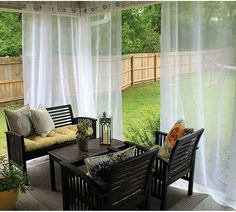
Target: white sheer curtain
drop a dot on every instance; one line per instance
(198, 84)
(106, 64)
(73, 57)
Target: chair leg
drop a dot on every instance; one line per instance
(25, 172)
(145, 206)
(190, 184)
(146, 203)
(163, 196)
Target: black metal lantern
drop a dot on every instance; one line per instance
(105, 129)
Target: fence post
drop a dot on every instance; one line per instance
(132, 70)
(155, 67)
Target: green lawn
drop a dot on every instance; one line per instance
(141, 111)
(141, 103)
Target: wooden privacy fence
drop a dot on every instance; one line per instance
(11, 80)
(136, 68)
(139, 68)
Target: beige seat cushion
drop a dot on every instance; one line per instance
(162, 151)
(56, 136)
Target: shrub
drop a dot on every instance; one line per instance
(142, 133)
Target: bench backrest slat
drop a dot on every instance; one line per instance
(61, 115)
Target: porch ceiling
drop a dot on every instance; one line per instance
(17, 6)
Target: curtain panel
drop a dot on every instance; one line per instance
(198, 84)
(74, 58)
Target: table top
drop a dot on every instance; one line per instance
(72, 153)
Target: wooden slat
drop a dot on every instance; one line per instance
(10, 81)
(127, 71)
(143, 80)
(142, 68)
(61, 115)
(10, 100)
(56, 116)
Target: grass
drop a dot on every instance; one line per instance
(141, 109)
(139, 103)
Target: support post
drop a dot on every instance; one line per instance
(132, 70)
(155, 67)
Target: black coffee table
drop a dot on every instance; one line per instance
(72, 154)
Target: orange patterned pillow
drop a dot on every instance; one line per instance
(176, 132)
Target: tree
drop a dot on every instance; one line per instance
(141, 28)
(207, 18)
(10, 34)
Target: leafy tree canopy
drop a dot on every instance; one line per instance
(140, 31)
(10, 34)
(141, 28)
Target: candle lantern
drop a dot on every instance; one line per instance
(105, 129)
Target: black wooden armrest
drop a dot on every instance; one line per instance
(161, 133)
(14, 139)
(15, 148)
(112, 149)
(93, 119)
(129, 144)
(139, 149)
(76, 119)
(76, 171)
(78, 163)
(15, 134)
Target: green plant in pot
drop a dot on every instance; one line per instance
(82, 134)
(12, 180)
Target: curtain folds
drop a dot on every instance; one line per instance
(198, 84)
(74, 59)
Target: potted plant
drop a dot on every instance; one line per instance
(12, 180)
(82, 135)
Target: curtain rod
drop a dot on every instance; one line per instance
(120, 5)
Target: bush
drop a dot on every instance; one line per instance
(142, 133)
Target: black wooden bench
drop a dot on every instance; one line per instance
(61, 116)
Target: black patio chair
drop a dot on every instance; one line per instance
(128, 185)
(179, 165)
